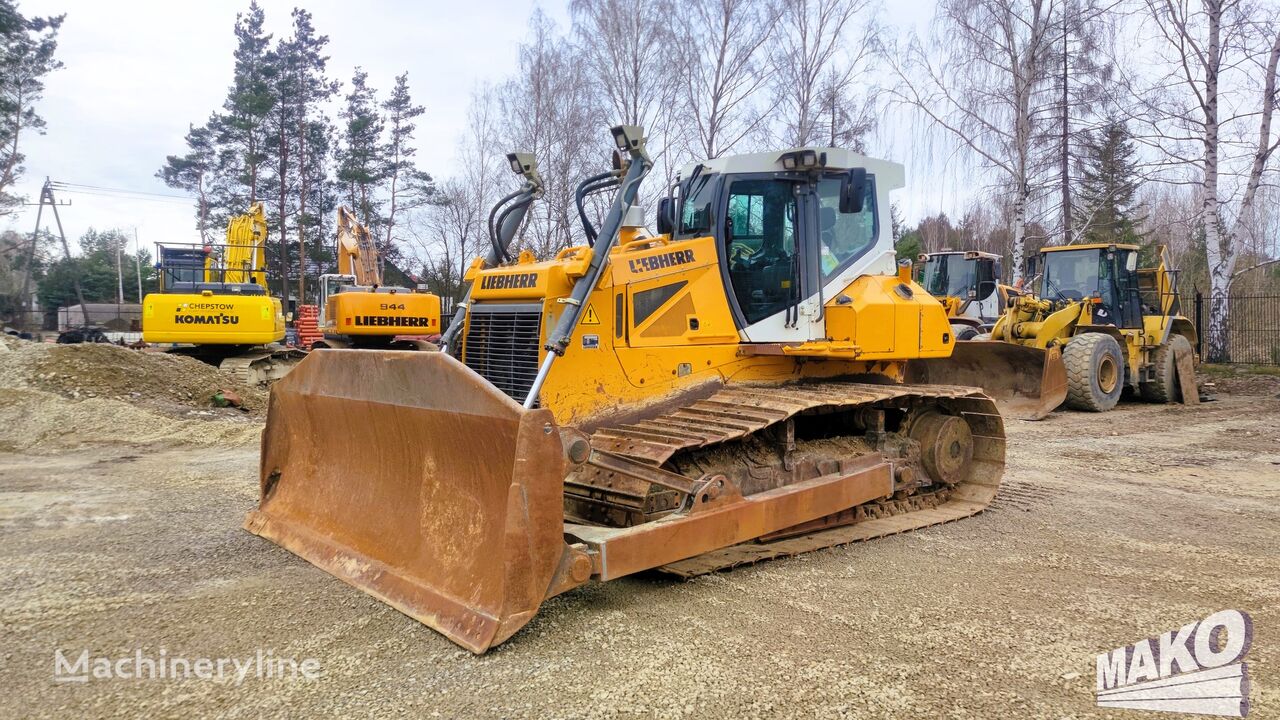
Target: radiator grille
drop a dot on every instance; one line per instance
(503, 344)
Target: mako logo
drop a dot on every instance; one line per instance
(391, 321)
(657, 262)
(517, 281)
(1194, 669)
(221, 319)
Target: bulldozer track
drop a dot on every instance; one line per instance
(735, 413)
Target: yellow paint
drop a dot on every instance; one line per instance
(638, 363)
(211, 319)
(374, 314)
(214, 317)
(1041, 323)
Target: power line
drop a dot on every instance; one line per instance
(82, 188)
(125, 196)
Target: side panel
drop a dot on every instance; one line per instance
(212, 319)
(369, 313)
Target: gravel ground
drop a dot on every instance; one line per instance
(1108, 529)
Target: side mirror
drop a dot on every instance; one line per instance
(853, 188)
(985, 288)
(666, 216)
(1131, 262)
(1029, 265)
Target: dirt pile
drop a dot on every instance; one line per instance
(109, 371)
(54, 396)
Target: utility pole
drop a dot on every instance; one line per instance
(46, 198)
(119, 276)
(137, 260)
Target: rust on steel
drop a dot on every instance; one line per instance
(408, 476)
(1027, 383)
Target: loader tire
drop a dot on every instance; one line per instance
(1164, 387)
(967, 332)
(1095, 372)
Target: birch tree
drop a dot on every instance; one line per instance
(820, 68)
(1208, 107)
(982, 81)
(725, 72)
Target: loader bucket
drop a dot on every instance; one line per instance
(411, 477)
(1027, 383)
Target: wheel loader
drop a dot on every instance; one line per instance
(1118, 326)
(1027, 383)
(967, 283)
(358, 311)
(725, 391)
(214, 305)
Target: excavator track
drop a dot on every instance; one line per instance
(763, 435)
(261, 367)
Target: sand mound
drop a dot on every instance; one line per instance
(54, 396)
(38, 419)
(109, 371)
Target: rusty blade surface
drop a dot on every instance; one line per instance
(1027, 383)
(409, 476)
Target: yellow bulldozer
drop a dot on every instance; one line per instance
(213, 303)
(358, 311)
(1117, 325)
(724, 391)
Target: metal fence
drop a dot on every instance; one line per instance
(1253, 327)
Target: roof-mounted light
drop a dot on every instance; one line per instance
(803, 160)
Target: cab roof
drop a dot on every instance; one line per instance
(1089, 246)
(889, 175)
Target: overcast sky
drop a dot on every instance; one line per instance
(138, 72)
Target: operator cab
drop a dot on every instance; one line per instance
(195, 269)
(1107, 274)
(792, 230)
(970, 278)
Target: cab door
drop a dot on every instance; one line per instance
(764, 256)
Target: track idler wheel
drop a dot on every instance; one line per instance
(946, 446)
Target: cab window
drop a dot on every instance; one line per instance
(760, 244)
(843, 236)
(696, 216)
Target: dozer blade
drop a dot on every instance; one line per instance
(1027, 383)
(410, 477)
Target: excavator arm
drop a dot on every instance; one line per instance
(357, 255)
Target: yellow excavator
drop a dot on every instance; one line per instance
(358, 311)
(725, 391)
(213, 303)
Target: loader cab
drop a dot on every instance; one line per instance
(972, 278)
(1106, 276)
(792, 229)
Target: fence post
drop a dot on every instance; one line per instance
(1199, 323)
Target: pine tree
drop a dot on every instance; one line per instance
(407, 187)
(1106, 211)
(239, 132)
(362, 156)
(194, 172)
(298, 165)
(27, 46)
